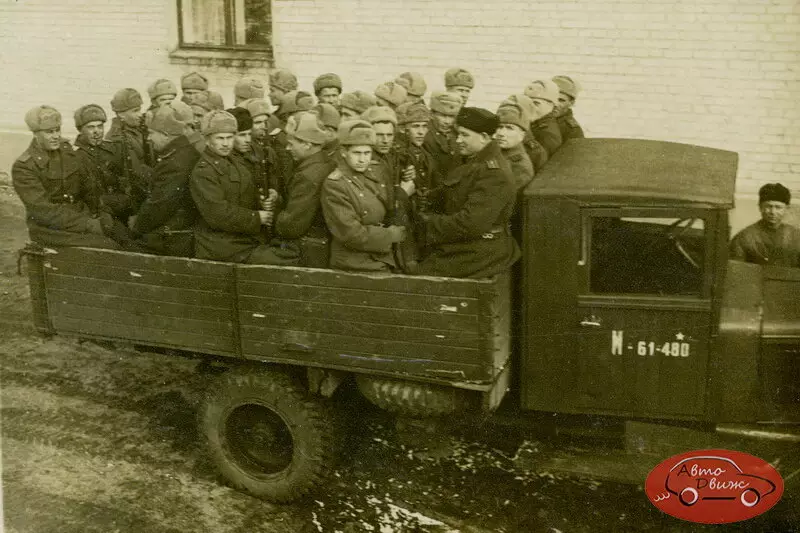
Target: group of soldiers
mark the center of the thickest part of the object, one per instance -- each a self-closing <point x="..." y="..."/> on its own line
<point x="381" y="181"/>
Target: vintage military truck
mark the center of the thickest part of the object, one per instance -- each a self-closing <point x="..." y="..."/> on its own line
<point x="624" y="304"/>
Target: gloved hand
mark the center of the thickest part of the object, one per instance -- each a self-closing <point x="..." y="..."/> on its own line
<point x="114" y="229"/>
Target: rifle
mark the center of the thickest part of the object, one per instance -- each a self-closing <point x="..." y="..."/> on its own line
<point x="146" y="148"/>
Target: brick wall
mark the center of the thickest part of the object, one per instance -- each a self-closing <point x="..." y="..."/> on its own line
<point x="722" y="73"/>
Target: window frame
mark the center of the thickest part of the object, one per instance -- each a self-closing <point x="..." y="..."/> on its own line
<point x="584" y="262"/>
<point x="229" y="45"/>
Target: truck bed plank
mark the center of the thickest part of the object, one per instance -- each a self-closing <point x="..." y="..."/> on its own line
<point x="391" y="283"/>
<point x="139" y="305"/>
<point x="337" y="311"/>
<point x="359" y="361"/>
<point x="153" y="336"/>
<point x="346" y="342"/>
<point x="354" y="328"/>
<point x="127" y="289"/>
<point x="175" y="265"/>
<point x="143" y="320"/>
<point x="423" y="302"/>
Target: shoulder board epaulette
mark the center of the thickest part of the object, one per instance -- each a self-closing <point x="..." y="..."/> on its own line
<point x="26" y="155"/>
<point x="335" y="175"/>
<point x="275" y="131"/>
<point x="492" y="164"/>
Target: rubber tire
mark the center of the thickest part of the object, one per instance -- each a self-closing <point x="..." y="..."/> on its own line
<point x="310" y="423"/>
<point x="412" y="399"/>
<point x="684" y="501"/>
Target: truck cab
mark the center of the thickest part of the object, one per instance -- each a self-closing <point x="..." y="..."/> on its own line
<point x="629" y="304"/>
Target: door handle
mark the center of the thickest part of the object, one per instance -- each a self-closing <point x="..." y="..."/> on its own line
<point x="591" y="322"/>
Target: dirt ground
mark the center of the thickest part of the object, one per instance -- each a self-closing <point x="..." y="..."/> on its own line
<point x="104" y="440"/>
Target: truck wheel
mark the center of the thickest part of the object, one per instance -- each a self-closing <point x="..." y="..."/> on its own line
<point x="412" y="399"/>
<point x="266" y="435"/>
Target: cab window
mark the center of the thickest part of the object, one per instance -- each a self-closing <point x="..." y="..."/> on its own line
<point x="647" y="255"/>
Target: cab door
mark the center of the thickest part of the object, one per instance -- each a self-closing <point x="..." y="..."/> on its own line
<point x="643" y="318"/>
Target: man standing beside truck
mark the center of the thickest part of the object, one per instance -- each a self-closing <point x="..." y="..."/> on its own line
<point x="467" y="230"/>
<point x="769" y="241"/>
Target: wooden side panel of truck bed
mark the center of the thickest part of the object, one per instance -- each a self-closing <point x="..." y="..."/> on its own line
<point x="440" y="330"/>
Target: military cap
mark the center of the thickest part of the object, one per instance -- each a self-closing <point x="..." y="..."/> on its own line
<point x="328" y="115"/>
<point x="307" y="127"/>
<point x="326" y="81"/>
<point x="413" y="112"/>
<point x="43" y="117"/>
<point x="257" y="106"/>
<point x="194" y="80"/>
<point x="458" y="77"/>
<point x="198" y="110"/>
<point x="125" y="99"/>
<point x="445" y="103"/>
<point x="167" y="120"/>
<point x="392" y="92"/>
<point x="244" y="121"/>
<point x="567" y="86"/>
<point x="378" y="113"/>
<point x="525" y="103"/>
<point x="774" y="192"/>
<point x="283" y="79"/>
<point x="295" y="101"/>
<point x="249" y="87"/>
<point x="510" y="113"/>
<point x="215" y="101"/>
<point x="161" y="87"/>
<point x="89" y="113"/>
<point x="358" y="101"/>
<point x="413" y="82"/>
<point x="356" y="132"/>
<point x="218" y="122"/>
<point x="477" y="119"/>
<point x="542" y="90"/>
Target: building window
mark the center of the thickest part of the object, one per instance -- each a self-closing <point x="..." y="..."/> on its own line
<point x="225" y="24"/>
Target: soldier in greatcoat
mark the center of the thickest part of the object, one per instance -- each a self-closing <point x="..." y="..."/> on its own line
<point x="60" y="201"/>
<point x="459" y="82"/>
<point x="536" y="152"/>
<point x="232" y="218"/>
<point x="544" y="126"/>
<point x="193" y="84"/>
<point x="466" y="233"/>
<point x="164" y="222"/>
<point x="328" y="88"/>
<point x="510" y="135"/>
<point x="355" y="205"/>
<point x="440" y="140"/>
<point x="568" y="93"/>
<point x="129" y="132"/>
<point x="299" y="217"/>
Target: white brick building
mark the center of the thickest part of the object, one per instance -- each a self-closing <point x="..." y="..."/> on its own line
<point x="722" y="73"/>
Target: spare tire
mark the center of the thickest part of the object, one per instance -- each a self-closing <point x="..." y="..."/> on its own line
<point x="409" y="398"/>
<point x="266" y="435"/>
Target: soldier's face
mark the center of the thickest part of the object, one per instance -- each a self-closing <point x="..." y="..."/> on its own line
<point x="416" y="132"/>
<point x="220" y="143"/>
<point x="259" y="130"/>
<point x="93" y="132"/>
<point x="163" y="100"/>
<point x="329" y="95"/>
<point x="471" y="142"/>
<point x="191" y="96"/>
<point x="541" y="108"/>
<point x="297" y="148"/>
<point x="564" y="103"/>
<point x="384" y="133"/>
<point x="159" y="140"/>
<point x="509" y="136"/>
<point x="772" y="212"/>
<point x="462" y="92"/>
<point x="357" y="157"/>
<point x="49" y="139"/>
<point x="275" y="95"/>
<point x="349" y="114"/>
<point x="131" y="117"/>
<point x="242" y="141"/>
<point x="443" y="123"/>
